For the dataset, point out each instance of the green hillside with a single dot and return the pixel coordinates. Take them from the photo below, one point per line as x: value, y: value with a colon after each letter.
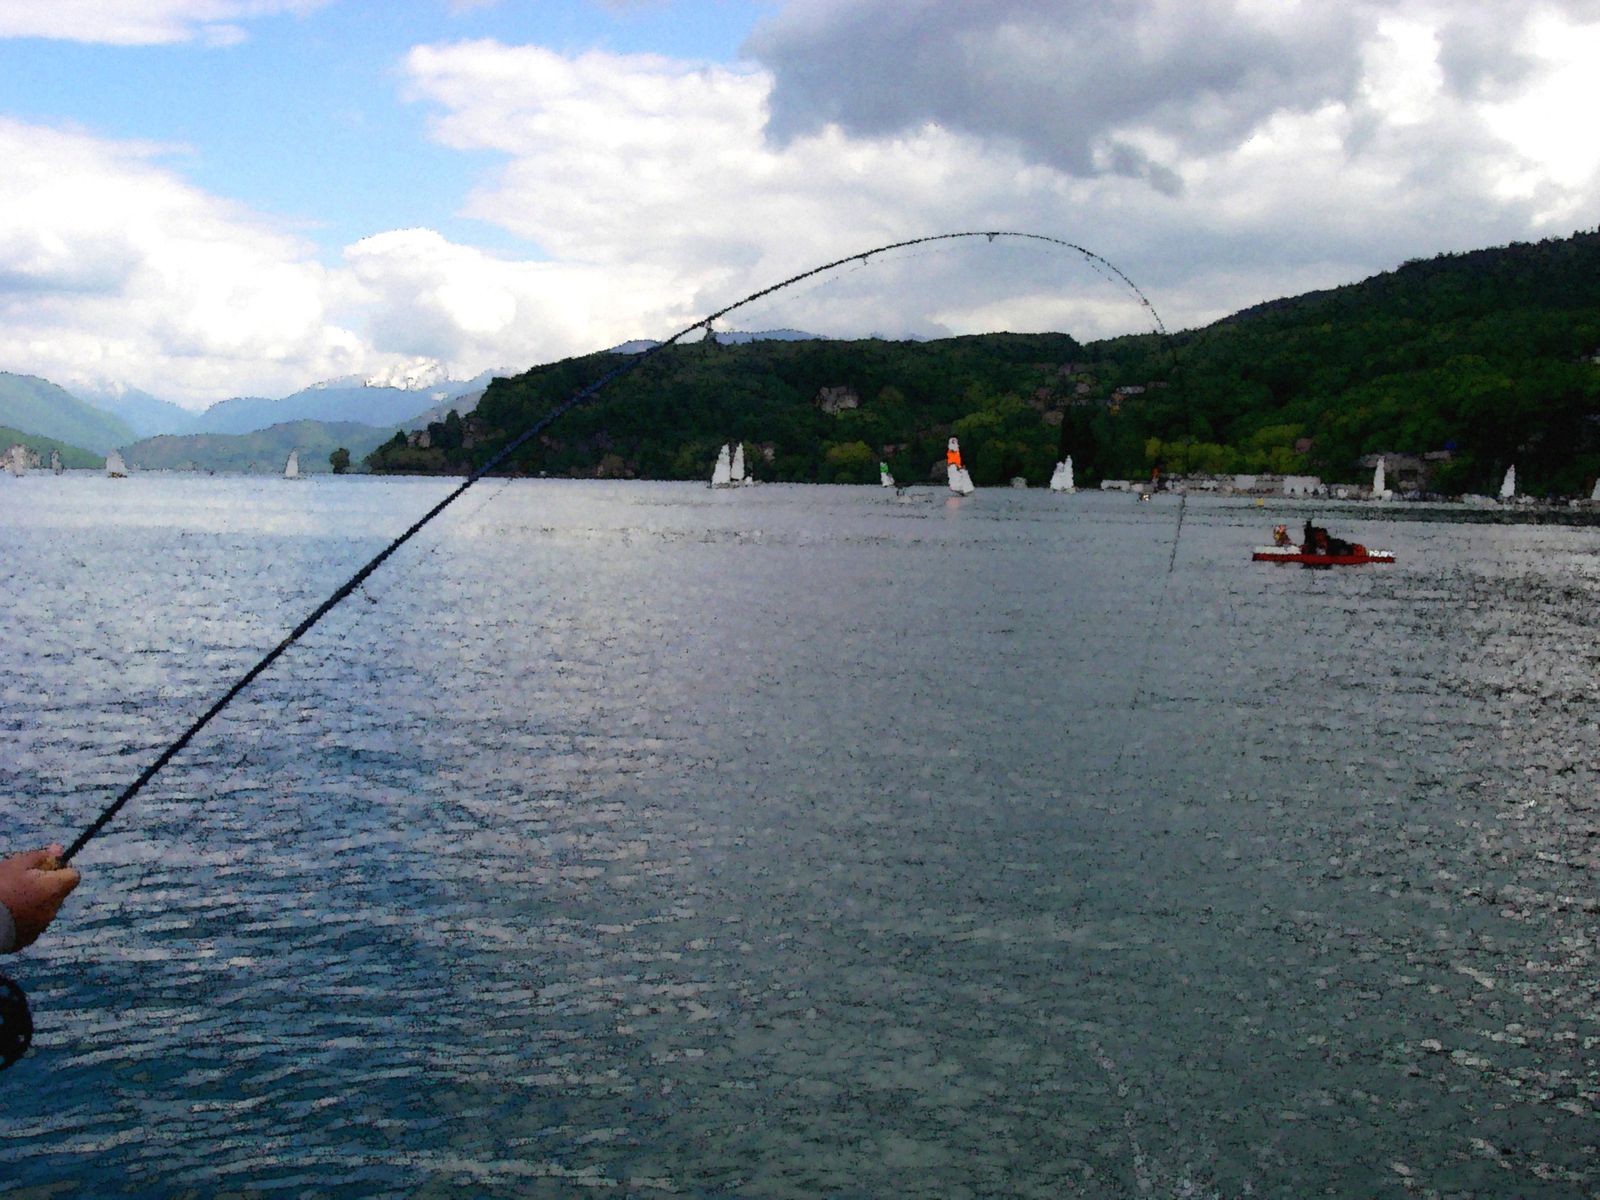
x: 263, y: 451
x: 1484, y: 359
x: 72, y: 457
x: 1493, y: 355
x: 42, y: 408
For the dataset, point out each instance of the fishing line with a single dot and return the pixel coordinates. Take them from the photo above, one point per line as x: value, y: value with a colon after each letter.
x: 15, y: 1020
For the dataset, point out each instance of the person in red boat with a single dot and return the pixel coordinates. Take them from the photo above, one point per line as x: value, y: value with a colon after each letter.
x: 1317, y: 541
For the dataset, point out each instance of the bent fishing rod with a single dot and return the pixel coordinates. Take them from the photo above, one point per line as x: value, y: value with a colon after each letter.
x: 16, y: 1025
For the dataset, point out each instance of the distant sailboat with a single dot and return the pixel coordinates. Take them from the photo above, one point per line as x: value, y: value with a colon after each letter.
x: 960, y: 481
x: 1508, y: 486
x: 115, y: 467
x: 291, y: 468
x: 736, y: 475
x: 1380, y: 490
x: 16, y: 459
x: 884, y: 478
x: 722, y: 475
x: 1595, y: 495
x: 55, y: 462
x: 1061, y: 479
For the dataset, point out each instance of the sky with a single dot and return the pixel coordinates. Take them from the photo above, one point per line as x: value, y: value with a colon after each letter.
x: 211, y: 198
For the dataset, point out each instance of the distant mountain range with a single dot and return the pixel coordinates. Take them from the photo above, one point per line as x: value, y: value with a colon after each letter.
x: 145, y: 414
x: 351, y: 412
x: 461, y: 405
x: 38, y: 406
x: 349, y: 399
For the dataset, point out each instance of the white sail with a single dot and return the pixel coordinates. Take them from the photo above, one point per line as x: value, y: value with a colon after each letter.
x: 722, y: 475
x: 884, y: 478
x: 291, y: 468
x: 55, y: 462
x: 1508, y: 486
x: 956, y: 474
x: 1380, y: 489
x: 1061, y: 479
x: 736, y: 471
x: 1595, y: 495
x: 115, y: 467
x: 16, y: 459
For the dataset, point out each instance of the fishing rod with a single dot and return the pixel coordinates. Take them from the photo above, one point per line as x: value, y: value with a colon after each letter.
x: 16, y: 1023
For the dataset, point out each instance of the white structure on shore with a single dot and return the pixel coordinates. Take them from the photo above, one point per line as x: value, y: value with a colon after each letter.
x: 1380, y: 490
x: 884, y: 478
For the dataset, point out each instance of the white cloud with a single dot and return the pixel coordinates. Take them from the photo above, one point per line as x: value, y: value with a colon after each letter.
x: 140, y: 22
x: 1548, y: 119
x: 113, y: 269
x: 655, y: 193
x: 1292, y: 147
x: 1084, y: 84
x: 616, y: 161
x: 1070, y: 82
x: 423, y: 296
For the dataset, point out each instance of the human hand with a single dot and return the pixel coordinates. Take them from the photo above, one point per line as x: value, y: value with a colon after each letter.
x: 32, y: 888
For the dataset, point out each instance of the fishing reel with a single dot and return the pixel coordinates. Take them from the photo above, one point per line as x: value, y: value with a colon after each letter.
x: 16, y: 1023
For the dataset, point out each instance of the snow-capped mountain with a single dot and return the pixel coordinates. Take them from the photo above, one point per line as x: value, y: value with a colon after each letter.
x: 414, y: 376
x: 352, y: 398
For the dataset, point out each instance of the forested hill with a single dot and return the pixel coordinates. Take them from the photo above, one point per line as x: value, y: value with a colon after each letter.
x: 1493, y: 354
x: 1479, y: 359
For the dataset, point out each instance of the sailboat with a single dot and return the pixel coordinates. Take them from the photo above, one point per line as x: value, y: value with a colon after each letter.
x: 1595, y: 495
x: 291, y: 468
x: 736, y: 475
x: 722, y: 475
x: 884, y: 478
x: 16, y: 459
x: 115, y: 467
x: 1380, y: 490
x: 1508, y: 486
x: 55, y: 462
x: 1061, y: 478
x: 960, y: 481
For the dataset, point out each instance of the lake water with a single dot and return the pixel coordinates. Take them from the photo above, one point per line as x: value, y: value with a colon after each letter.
x: 636, y: 839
